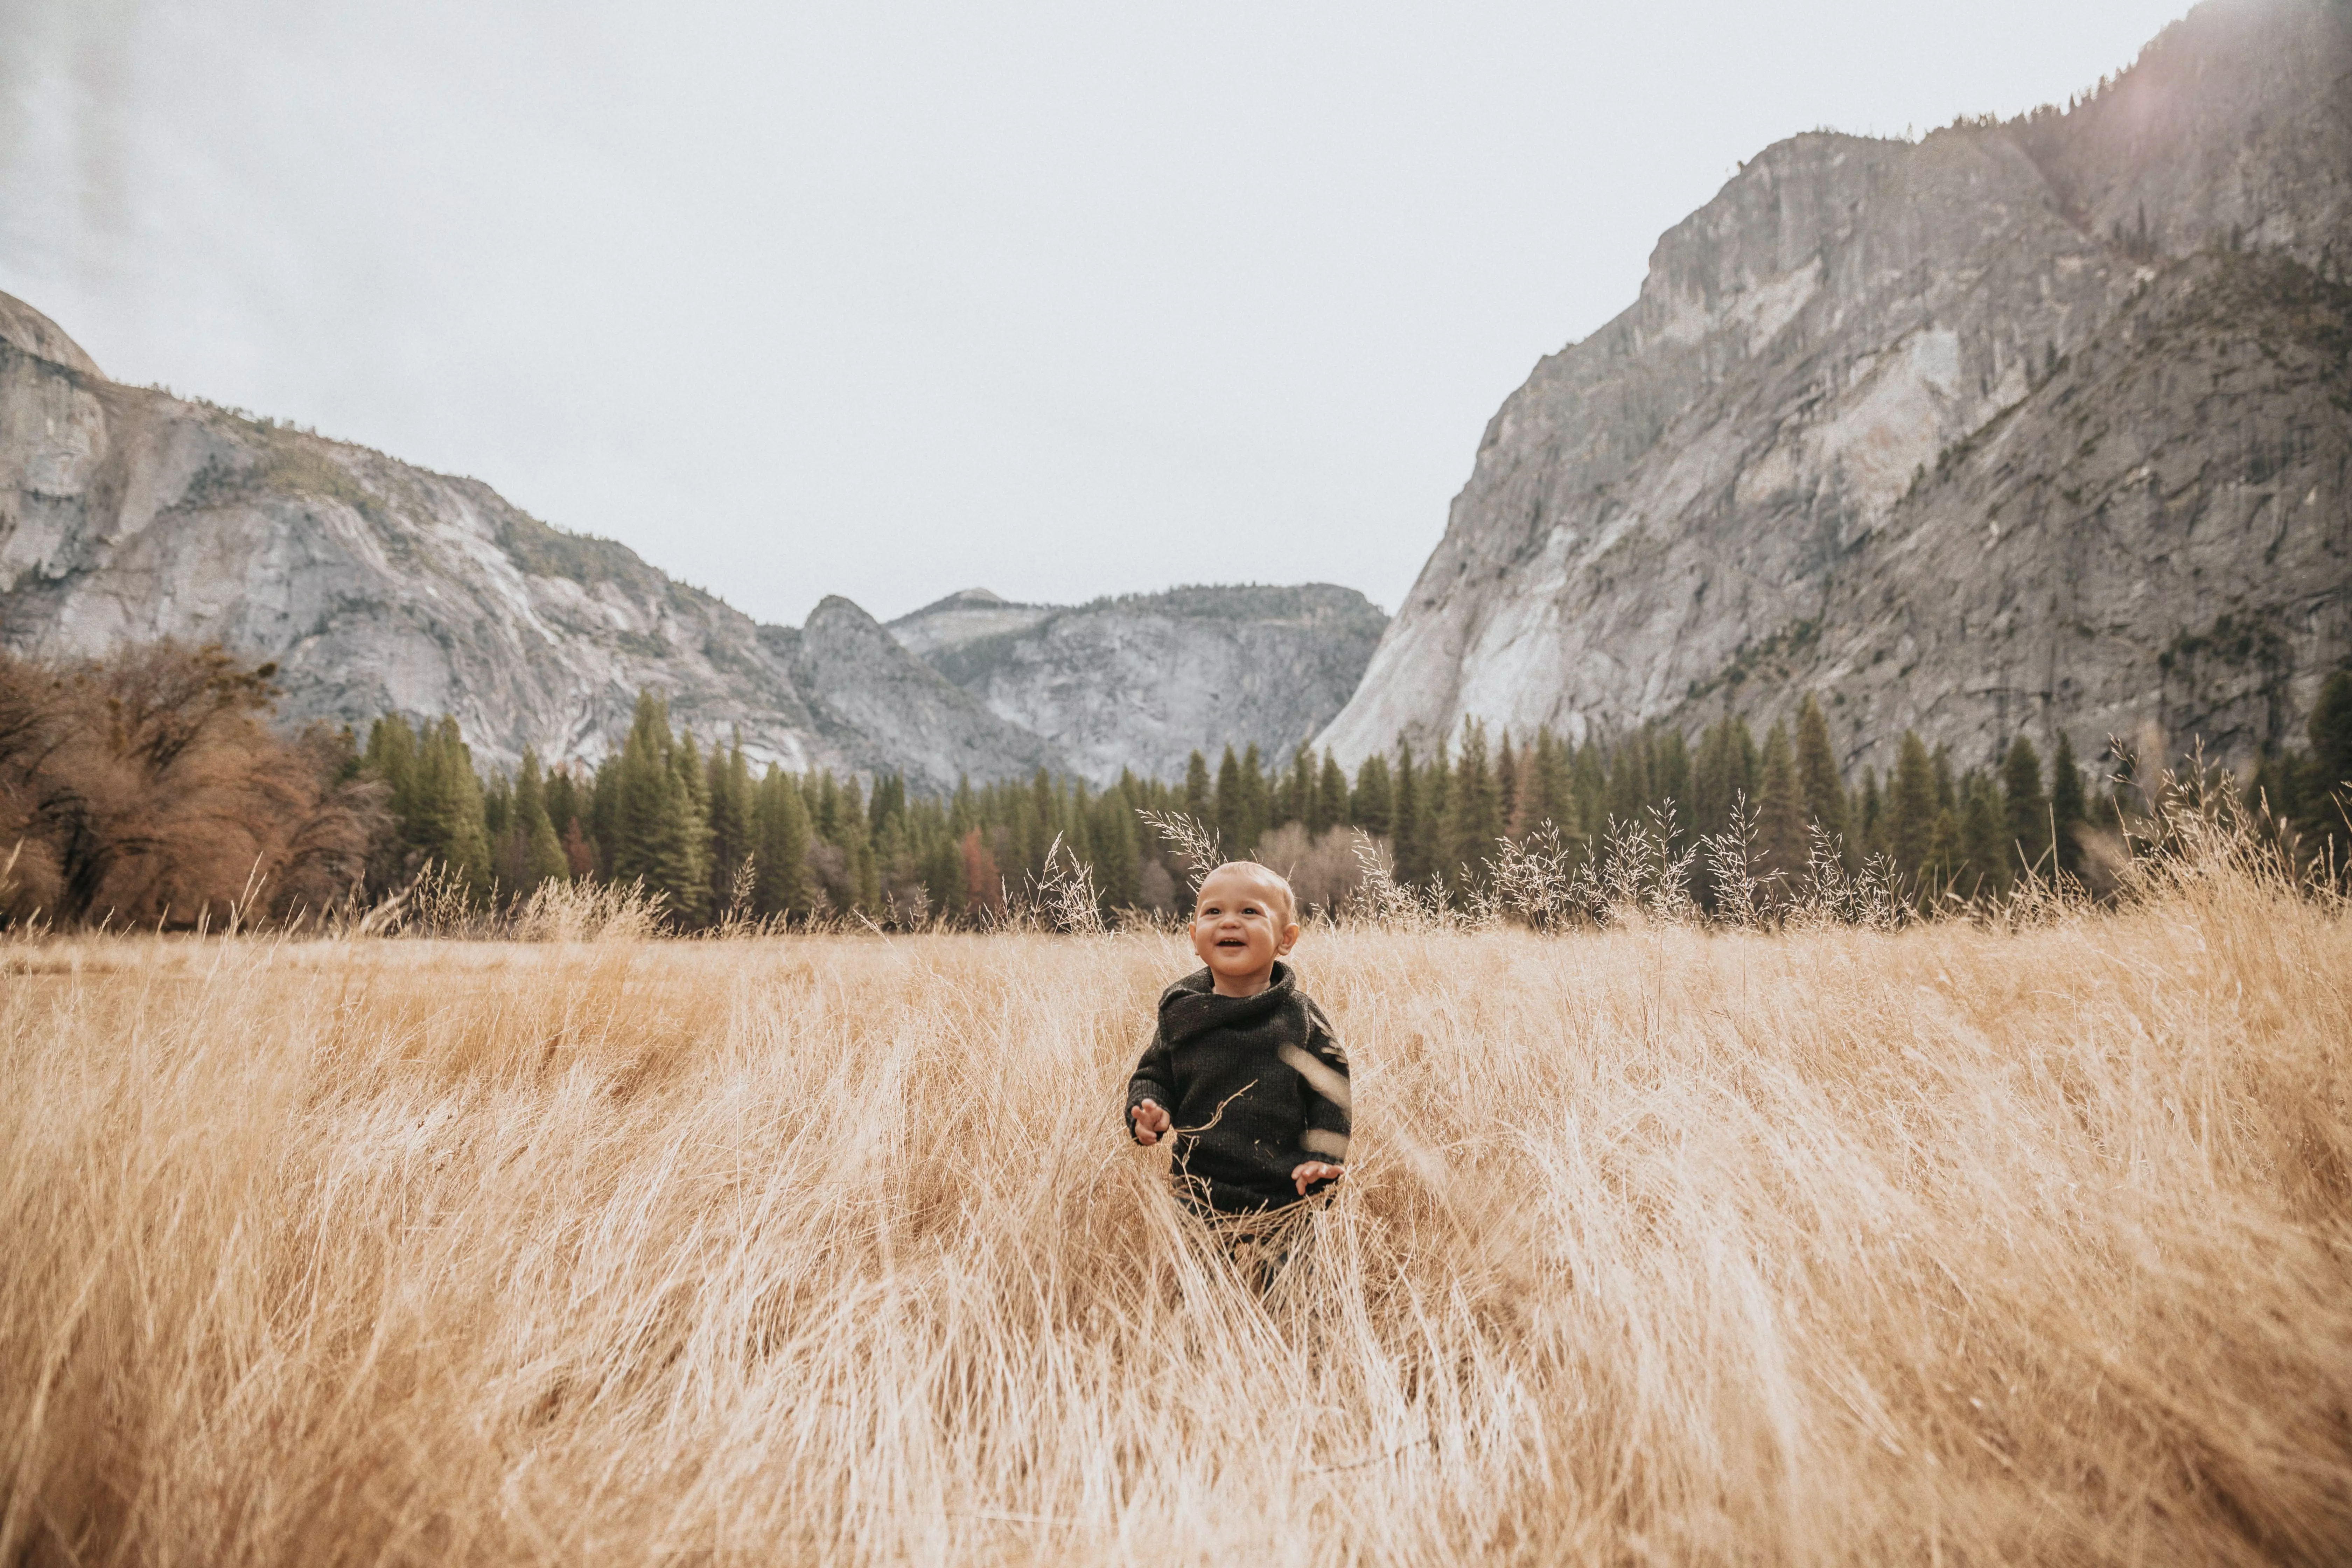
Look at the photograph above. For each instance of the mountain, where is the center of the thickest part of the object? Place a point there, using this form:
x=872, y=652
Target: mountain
x=964, y=618
x=2034, y=427
x=127, y=514
x=1143, y=682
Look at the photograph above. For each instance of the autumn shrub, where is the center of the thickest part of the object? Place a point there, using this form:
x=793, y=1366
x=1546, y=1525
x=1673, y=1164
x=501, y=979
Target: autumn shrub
x=150, y=788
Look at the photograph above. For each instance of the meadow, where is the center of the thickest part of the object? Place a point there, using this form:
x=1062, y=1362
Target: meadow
x=1964, y=1243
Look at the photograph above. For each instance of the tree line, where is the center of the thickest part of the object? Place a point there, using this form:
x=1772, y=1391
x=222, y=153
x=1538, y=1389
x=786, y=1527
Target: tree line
x=150, y=788
x=714, y=836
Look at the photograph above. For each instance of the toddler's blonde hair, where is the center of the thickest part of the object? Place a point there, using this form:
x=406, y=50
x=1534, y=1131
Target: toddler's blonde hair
x=1254, y=867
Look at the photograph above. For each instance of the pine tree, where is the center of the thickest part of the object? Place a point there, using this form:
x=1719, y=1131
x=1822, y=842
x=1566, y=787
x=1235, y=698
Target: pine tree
x=1258, y=804
x=888, y=806
x=1199, y=804
x=641, y=795
x=1295, y=801
x=680, y=855
x=1371, y=806
x=728, y=788
x=1816, y=771
x=447, y=824
x=563, y=799
x=604, y=816
x=1718, y=793
x=1939, y=875
x=542, y=859
x=1233, y=805
x=1024, y=848
x=2068, y=809
x=1330, y=798
x=1436, y=780
x=498, y=811
x=1985, y=858
x=391, y=757
x=1589, y=788
x=656, y=822
x=1506, y=781
x=1670, y=782
x=1868, y=817
x=1409, y=845
x=1473, y=819
x=825, y=810
x=1781, y=811
x=942, y=878
x=1077, y=821
x=1911, y=810
x=2026, y=812
x=963, y=810
x=860, y=885
x=1720, y=776
x=781, y=829
x=1543, y=784
x=1556, y=769
x=1114, y=849
x=867, y=869
x=1630, y=793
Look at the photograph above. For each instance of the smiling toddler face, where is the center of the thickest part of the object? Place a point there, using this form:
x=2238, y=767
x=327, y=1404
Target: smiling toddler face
x=1242, y=923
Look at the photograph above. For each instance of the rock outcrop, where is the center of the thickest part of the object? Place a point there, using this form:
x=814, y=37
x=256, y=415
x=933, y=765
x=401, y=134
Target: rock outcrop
x=1143, y=682
x=2034, y=427
x=127, y=514
x=962, y=618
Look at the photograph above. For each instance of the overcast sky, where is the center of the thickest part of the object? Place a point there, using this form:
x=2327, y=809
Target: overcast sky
x=890, y=299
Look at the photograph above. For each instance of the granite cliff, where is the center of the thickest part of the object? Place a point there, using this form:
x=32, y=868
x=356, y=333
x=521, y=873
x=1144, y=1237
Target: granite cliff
x=2027, y=427
x=127, y=514
x=1143, y=680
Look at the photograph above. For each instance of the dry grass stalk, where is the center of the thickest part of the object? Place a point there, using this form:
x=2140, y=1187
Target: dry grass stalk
x=1950, y=1244
x=1194, y=841
x=1062, y=898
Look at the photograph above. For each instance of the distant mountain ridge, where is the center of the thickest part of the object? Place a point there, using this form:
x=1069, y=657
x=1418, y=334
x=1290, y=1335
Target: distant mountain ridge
x=127, y=514
x=1142, y=681
x=2033, y=426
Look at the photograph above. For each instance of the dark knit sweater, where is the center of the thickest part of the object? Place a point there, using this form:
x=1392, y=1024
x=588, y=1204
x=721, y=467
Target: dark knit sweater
x=1252, y=1085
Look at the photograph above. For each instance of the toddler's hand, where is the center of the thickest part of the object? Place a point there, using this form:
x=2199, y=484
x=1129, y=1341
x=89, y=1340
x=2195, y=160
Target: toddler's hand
x=1313, y=1171
x=1150, y=1121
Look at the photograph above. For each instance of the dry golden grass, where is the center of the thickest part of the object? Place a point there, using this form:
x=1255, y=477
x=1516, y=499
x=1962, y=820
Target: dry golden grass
x=1942, y=1246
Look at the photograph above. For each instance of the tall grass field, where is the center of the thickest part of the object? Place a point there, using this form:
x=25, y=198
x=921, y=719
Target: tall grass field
x=1952, y=1245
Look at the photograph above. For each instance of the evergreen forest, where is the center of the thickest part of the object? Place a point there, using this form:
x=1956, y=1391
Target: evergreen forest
x=716, y=837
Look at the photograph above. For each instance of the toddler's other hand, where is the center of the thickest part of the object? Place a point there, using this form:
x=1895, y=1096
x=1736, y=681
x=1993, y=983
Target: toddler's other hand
x=1150, y=1121
x=1313, y=1171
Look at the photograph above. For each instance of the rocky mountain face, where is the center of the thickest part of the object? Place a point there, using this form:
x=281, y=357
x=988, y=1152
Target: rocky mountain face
x=2033, y=426
x=1144, y=680
x=127, y=514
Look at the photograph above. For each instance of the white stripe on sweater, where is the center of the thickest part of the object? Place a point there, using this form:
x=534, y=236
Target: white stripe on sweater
x=1330, y=1145
x=1318, y=1074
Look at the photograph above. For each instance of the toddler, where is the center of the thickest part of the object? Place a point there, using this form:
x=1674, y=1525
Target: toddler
x=1242, y=1069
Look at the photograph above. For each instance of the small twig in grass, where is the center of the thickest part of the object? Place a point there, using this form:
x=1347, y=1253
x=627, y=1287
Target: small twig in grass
x=1427, y=1440
x=1006, y=1516
x=1220, y=1116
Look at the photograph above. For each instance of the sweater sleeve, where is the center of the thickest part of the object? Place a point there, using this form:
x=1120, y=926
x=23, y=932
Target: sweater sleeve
x=1322, y=1065
x=1154, y=1079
